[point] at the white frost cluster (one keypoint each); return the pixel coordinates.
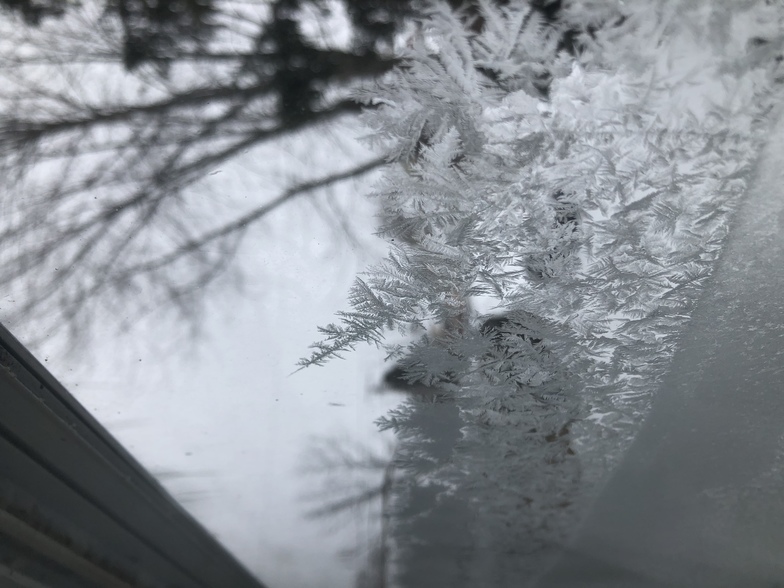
(593, 212)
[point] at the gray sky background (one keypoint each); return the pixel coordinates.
(221, 420)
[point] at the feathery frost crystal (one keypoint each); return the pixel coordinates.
(587, 194)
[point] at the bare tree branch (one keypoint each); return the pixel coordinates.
(97, 165)
(240, 225)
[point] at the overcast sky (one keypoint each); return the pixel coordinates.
(221, 420)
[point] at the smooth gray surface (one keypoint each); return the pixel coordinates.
(699, 499)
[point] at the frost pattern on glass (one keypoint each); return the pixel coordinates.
(592, 216)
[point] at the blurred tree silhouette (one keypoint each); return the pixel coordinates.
(110, 111)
